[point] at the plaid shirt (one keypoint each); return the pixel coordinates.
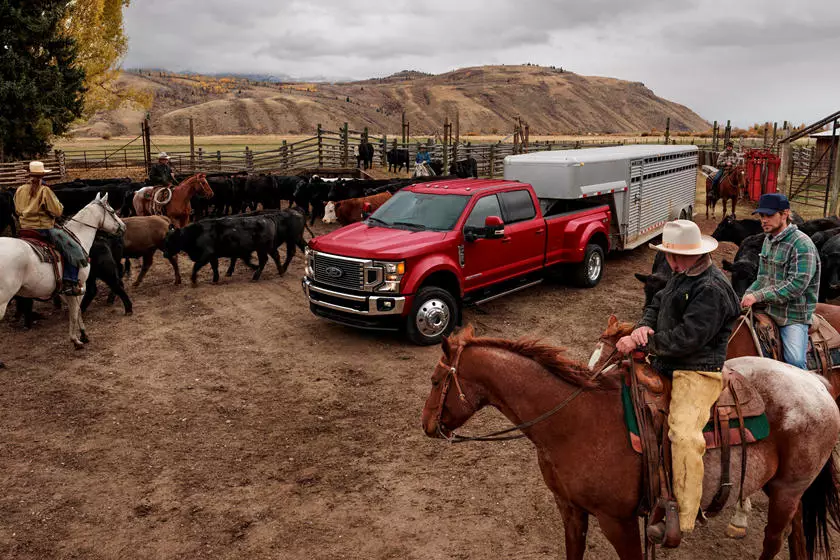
(788, 277)
(728, 157)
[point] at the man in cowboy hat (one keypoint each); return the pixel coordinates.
(788, 279)
(38, 208)
(726, 161)
(161, 173)
(686, 329)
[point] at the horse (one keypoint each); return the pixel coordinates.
(23, 273)
(178, 208)
(729, 188)
(145, 235)
(583, 451)
(741, 344)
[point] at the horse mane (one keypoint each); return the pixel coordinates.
(552, 358)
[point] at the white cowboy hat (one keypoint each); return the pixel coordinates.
(163, 155)
(682, 237)
(37, 168)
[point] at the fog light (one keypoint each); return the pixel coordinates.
(384, 304)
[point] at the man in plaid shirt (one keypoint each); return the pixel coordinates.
(788, 277)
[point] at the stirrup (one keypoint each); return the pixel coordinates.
(70, 288)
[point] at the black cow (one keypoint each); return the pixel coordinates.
(365, 155)
(821, 224)
(735, 231)
(312, 197)
(106, 255)
(659, 275)
(397, 159)
(356, 188)
(233, 237)
(7, 212)
(830, 269)
(744, 269)
(465, 168)
(821, 237)
(74, 199)
(437, 166)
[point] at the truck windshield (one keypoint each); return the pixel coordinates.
(437, 212)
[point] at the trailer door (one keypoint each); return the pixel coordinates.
(634, 202)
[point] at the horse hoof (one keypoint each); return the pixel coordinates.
(78, 344)
(129, 312)
(734, 532)
(84, 338)
(2, 365)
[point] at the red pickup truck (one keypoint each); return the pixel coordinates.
(434, 247)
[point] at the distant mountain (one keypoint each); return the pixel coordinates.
(487, 99)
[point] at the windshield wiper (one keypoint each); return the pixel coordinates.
(410, 224)
(372, 219)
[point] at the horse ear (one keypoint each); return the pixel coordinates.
(643, 278)
(612, 320)
(446, 345)
(105, 198)
(467, 332)
(98, 197)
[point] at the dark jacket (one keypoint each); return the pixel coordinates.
(692, 318)
(160, 174)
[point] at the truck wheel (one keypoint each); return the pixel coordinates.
(588, 273)
(433, 316)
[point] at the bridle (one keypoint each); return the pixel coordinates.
(107, 209)
(452, 375)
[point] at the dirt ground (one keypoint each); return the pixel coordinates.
(226, 421)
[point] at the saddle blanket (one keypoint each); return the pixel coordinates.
(757, 428)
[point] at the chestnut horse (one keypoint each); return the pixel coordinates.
(583, 449)
(178, 208)
(730, 187)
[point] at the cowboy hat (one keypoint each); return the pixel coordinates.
(163, 155)
(682, 237)
(37, 168)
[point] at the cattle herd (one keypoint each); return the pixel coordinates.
(749, 237)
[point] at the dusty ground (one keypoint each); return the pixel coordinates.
(227, 421)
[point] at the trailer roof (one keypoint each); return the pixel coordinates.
(595, 155)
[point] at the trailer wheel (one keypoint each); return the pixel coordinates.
(588, 273)
(433, 316)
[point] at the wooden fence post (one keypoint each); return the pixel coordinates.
(147, 135)
(384, 155)
(218, 160)
(727, 132)
(192, 146)
(667, 130)
(320, 149)
(284, 154)
(715, 137)
(345, 145)
(492, 160)
(200, 158)
(835, 179)
(249, 160)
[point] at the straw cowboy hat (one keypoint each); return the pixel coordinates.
(37, 168)
(682, 237)
(163, 155)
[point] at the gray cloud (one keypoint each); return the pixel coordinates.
(683, 51)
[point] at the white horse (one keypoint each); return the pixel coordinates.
(22, 273)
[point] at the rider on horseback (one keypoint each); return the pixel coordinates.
(686, 329)
(38, 208)
(161, 173)
(788, 277)
(726, 161)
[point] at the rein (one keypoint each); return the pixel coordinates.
(747, 318)
(452, 374)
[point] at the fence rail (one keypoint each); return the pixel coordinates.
(17, 172)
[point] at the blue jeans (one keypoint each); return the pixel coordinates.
(70, 273)
(795, 344)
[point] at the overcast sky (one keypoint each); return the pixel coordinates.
(745, 60)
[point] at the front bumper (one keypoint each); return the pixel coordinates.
(352, 304)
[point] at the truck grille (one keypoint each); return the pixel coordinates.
(344, 273)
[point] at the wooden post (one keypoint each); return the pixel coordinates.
(218, 160)
(345, 145)
(457, 127)
(147, 135)
(320, 148)
(249, 160)
(492, 160)
(284, 155)
(527, 135)
(766, 133)
(835, 172)
(106, 158)
(200, 159)
(775, 125)
(384, 156)
(192, 146)
(403, 128)
(727, 132)
(667, 130)
(785, 154)
(715, 137)
(446, 143)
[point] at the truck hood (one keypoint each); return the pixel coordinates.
(361, 241)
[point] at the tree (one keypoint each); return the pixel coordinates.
(41, 88)
(97, 28)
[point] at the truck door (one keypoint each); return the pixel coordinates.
(484, 259)
(525, 234)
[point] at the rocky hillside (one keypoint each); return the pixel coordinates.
(487, 99)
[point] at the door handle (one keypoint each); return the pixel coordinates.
(506, 240)
(539, 231)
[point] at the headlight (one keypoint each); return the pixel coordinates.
(309, 256)
(394, 272)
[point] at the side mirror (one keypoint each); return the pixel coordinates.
(367, 210)
(494, 226)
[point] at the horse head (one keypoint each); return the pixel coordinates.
(203, 186)
(107, 221)
(447, 410)
(609, 338)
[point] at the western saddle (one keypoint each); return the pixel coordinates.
(651, 395)
(46, 252)
(823, 351)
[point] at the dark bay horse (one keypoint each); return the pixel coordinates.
(730, 187)
(178, 208)
(583, 449)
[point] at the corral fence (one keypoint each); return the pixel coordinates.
(17, 172)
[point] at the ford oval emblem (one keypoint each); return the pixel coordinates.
(334, 272)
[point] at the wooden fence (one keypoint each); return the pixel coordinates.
(17, 172)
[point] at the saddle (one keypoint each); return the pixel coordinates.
(651, 394)
(46, 252)
(823, 342)
(158, 198)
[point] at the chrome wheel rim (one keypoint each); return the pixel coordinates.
(432, 317)
(595, 265)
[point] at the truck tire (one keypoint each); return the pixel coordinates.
(433, 316)
(588, 273)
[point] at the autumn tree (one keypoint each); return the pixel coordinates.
(97, 28)
(41, 87)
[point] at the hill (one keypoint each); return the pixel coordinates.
(487, 99)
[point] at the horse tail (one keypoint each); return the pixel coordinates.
(821, 509)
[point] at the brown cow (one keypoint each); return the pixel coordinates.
(350, 211)
(143, 236)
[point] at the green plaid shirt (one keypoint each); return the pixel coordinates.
(788, 277)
